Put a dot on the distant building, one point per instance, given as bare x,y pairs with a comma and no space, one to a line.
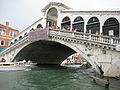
6,34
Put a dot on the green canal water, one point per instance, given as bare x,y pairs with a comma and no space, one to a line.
52,78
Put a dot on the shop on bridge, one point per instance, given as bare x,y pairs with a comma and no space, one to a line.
78,24
66,24
93,26
111,27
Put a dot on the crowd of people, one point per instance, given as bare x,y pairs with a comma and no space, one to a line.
2,60
67,28
97,32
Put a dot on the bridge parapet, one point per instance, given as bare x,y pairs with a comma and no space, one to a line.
112,41
80,36
14,45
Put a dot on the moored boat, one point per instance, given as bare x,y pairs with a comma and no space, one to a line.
15,66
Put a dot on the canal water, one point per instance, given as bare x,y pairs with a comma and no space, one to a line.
53,78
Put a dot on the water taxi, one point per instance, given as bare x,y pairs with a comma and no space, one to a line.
11,66
72,65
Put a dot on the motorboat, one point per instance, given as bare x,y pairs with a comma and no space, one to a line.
73,62
28,63
11,66
72,65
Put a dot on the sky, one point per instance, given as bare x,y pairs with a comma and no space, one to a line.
22,13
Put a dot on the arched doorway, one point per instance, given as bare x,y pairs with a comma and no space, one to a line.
66,23
93,25
78,24
52,16
111,27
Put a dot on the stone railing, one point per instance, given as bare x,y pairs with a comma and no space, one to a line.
89,37
17,43
112,41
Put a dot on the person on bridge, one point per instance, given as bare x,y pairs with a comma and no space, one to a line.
2,60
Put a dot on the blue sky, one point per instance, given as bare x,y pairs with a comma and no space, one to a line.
22,13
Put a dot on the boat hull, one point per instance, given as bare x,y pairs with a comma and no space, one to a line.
72,66
13,68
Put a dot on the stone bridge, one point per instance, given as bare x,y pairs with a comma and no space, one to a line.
100,51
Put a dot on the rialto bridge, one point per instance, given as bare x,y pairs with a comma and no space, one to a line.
92,34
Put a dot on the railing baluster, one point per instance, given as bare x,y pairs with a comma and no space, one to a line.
111,41
86,36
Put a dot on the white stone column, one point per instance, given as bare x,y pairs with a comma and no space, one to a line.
71,20
71,26
85,27
44,22
119,30
59,19
101,28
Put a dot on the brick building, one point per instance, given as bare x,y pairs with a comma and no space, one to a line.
6,34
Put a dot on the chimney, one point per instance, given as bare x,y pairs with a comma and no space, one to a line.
7,24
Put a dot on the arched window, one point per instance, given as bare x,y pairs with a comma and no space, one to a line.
39,26
15,40
111,27
26,34
11,43
93,25
66,23
20,37
78,24
78,19
32,29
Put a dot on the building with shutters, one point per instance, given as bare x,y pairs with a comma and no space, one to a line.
6,34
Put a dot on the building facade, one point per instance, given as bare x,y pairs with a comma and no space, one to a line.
6,34
95,22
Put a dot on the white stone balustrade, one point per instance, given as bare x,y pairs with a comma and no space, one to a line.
79,36
86,36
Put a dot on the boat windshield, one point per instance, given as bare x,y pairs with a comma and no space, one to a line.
6,64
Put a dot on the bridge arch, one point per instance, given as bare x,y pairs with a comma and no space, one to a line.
52,16
66,23
93,25
78,24
111,27
44,52
49,52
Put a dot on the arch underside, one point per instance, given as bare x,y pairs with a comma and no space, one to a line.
45,52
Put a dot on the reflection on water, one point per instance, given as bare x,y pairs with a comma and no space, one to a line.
52,78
